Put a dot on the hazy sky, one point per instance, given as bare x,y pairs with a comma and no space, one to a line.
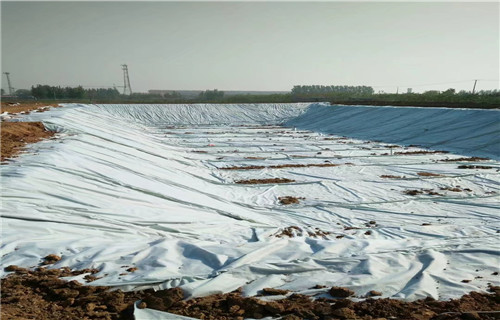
251,45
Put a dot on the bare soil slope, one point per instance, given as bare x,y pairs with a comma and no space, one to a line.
15,135
41,294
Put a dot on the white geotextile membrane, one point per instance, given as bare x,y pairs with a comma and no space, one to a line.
143,186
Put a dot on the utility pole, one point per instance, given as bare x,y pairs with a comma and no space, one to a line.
11,90
474,88
126,80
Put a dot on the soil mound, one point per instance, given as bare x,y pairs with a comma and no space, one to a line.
15,135
290,200
41,294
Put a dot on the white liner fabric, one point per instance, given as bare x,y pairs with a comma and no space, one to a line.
143,186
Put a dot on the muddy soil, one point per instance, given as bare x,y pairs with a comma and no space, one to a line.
15,135
265,181
43,295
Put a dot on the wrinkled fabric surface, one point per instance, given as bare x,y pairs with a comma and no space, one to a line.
144,186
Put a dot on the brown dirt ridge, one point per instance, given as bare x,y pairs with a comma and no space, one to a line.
16,135
41,294
265,181
280,166
25,106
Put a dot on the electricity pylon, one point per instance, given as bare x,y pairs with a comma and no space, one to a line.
11,90
126,80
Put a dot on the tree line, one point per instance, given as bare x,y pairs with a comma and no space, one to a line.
300,93
327,90
57,92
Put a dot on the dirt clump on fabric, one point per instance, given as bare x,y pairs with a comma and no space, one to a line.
265,181
290,200
51,259
429,192
41,294
403,153
428,174
464,166
274,292
389,176
281,166
16,135
341,292
455,189
471,159
294,231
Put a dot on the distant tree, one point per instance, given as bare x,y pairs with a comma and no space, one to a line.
3,92
23,93
319,90
450,91
431,92
211,95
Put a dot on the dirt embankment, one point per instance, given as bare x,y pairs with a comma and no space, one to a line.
25,107
16,135
41,294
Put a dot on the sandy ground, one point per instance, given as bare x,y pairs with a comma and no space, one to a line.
42,294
